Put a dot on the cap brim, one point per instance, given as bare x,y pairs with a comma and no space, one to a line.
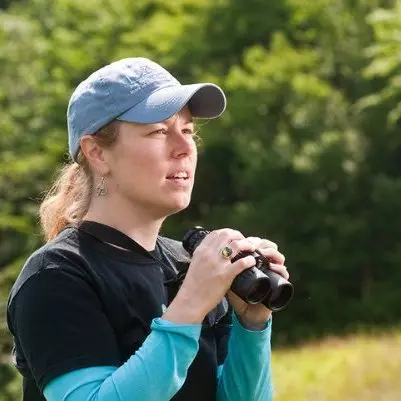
204,101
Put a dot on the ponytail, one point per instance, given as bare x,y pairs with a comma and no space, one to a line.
68,199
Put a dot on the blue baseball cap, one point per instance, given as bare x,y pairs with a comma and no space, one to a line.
135,90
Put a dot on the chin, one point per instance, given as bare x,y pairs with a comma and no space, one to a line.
178,206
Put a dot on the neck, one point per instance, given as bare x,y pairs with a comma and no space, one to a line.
136,223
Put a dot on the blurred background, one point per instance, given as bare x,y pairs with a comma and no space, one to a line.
308,154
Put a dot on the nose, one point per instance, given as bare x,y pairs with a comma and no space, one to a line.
183,144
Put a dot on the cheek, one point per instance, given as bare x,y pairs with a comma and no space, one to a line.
138,169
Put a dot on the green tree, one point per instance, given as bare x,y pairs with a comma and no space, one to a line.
307,153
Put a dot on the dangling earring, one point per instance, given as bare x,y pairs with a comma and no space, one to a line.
101,189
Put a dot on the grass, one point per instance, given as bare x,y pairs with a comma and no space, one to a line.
356,368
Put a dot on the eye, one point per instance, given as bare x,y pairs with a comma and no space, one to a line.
188,131
161,131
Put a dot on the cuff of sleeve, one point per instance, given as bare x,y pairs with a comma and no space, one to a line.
238,327
189,330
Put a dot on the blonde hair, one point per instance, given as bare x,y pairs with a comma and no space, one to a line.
69,197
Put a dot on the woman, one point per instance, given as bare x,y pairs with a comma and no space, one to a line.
99,312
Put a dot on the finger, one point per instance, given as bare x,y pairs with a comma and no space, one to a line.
242,264
272,255
223,237
227,235
255,240
214,243
241,246
231,239
236,302
262,242
281,270
265,243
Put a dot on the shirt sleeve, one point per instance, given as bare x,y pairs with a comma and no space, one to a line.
59,325
246,372
154,373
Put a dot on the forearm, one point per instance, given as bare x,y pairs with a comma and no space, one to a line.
154,373
246,373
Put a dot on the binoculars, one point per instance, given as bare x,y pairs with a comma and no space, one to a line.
258,284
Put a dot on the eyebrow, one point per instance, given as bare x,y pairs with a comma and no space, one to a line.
172,118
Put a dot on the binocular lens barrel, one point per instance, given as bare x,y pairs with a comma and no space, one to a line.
251,285
279,298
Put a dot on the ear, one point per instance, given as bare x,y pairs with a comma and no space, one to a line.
95,154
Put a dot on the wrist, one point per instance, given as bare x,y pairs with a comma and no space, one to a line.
252,325
183,310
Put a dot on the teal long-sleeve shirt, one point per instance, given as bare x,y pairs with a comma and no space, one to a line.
166,354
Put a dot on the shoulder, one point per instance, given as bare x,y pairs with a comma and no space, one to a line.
60,254
54,278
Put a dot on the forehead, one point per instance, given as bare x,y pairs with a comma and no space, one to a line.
183,115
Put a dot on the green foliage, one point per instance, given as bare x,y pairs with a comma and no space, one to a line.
307,153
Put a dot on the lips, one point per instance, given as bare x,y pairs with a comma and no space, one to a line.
179,175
